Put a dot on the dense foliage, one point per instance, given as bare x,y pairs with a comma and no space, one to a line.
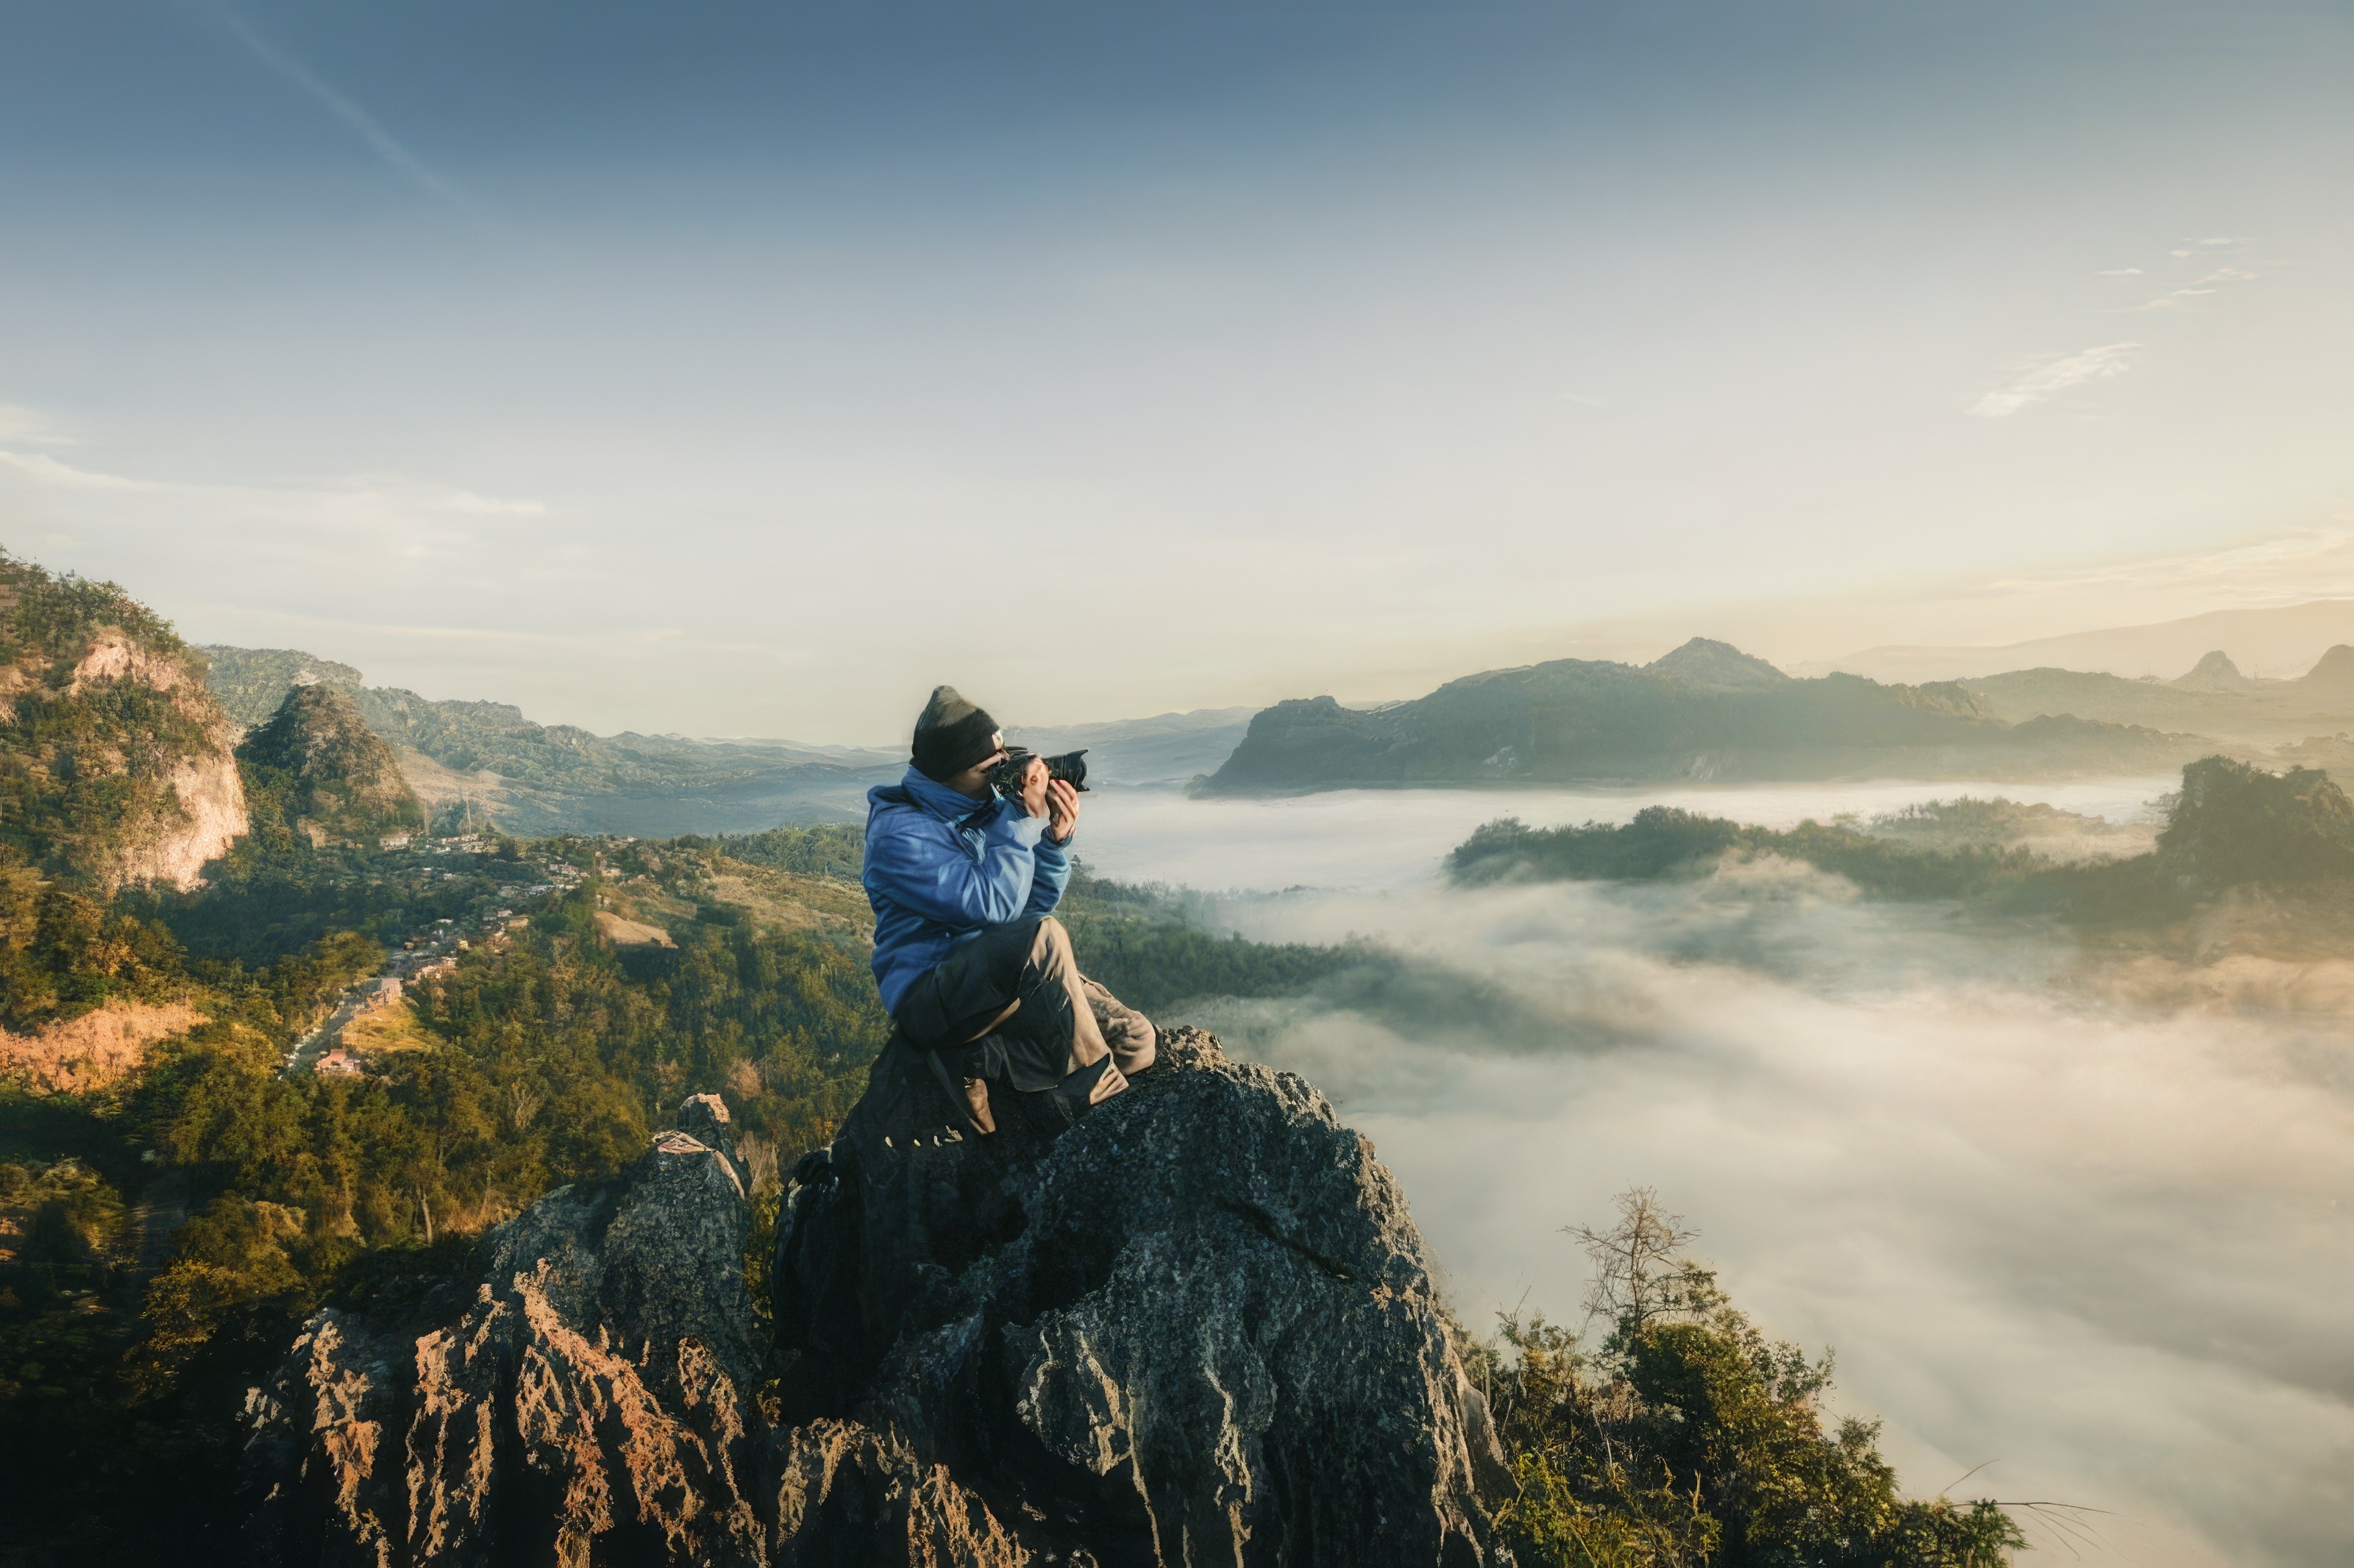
1665,841
833,849
66,950
1689,1439
2234,823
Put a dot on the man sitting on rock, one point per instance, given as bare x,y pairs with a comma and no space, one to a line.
973,967
999,1044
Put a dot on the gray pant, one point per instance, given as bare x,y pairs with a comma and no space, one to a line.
1011,1005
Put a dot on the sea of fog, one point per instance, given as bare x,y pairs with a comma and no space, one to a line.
2105,1254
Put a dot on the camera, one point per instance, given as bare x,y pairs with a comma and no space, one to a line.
1071,768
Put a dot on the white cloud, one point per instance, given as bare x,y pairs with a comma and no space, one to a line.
46,469
369,499
2055,376
2120,273
2285,569
472,505
18,423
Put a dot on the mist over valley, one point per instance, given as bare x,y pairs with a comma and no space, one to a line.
2062,1210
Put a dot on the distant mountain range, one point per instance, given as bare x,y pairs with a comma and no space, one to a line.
2213,699
485,759
2280,642
1706,711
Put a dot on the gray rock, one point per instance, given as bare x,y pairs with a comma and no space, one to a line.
1199,1329
1215,1340
590,1402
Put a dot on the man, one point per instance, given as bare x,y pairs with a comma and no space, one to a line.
1000,1043
974,968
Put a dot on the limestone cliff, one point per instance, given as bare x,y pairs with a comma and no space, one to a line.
116,765
1197,1328
316,771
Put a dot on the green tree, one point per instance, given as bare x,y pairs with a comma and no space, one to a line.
1691,1440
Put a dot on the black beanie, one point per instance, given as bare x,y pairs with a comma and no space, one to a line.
952,734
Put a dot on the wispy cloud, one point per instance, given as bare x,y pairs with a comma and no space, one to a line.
46,469
2222,277
467,502
380,141
2119,272
365,499
2283,568
18,423
2054,376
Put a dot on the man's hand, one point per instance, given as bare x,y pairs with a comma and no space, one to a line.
1063,804
1033,788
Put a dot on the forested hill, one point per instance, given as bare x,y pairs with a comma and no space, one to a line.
2231,829
1706,712
317,769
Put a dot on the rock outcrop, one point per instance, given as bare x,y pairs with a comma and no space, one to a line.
2215,673
1197,1328
120,756
317,772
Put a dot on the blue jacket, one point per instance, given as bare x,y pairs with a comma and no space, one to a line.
943,870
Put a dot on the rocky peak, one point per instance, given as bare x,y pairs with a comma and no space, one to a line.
1198,1327
2332,676
319,768
1717,667
2214,672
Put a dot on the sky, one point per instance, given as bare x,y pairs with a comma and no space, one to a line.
746,369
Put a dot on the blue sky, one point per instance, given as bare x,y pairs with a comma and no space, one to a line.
746,369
